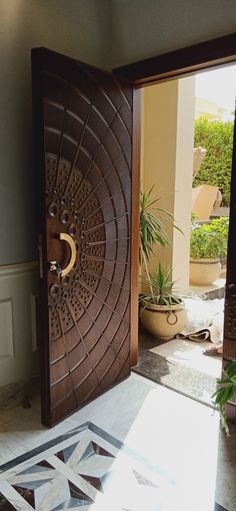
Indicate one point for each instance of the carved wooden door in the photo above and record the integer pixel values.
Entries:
(229, 352)
(83, 132)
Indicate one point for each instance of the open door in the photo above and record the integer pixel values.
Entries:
(229, 350)
(83, 120)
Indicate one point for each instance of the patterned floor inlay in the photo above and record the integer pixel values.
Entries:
(85, 469)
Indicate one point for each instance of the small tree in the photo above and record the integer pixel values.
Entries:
(217, 138)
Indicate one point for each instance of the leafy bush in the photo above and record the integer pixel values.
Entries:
(209, 241)
(217, 138)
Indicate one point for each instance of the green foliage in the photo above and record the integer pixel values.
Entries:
(209, 241)
(162, 287)
(152, 229)
(217, 138)
(225, 392)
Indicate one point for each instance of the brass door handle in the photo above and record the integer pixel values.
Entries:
(66, 237)
(55, 266)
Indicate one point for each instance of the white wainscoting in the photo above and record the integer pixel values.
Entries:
(18, 344)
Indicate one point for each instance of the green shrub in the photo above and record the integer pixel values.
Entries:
(217, 138)
(209, 241)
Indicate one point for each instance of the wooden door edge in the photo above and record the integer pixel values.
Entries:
(135, 226)
(39, 162)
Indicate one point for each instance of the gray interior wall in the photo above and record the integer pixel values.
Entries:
(79, 28)
(144, 28)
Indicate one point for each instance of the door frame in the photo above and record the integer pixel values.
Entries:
(178, 64)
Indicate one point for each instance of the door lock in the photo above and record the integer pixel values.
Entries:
(55, 266)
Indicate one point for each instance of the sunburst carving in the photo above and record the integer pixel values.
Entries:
(87, 134)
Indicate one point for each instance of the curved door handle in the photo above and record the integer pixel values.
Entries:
(66, 237)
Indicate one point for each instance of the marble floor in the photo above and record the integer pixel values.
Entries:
(170, 442)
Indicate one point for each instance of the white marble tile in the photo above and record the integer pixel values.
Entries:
(52, 494)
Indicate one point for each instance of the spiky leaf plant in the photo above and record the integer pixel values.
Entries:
(152, 227)
(162, 288)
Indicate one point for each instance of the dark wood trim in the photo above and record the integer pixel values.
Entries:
(135, 226)
(39, 164)
(221, 50)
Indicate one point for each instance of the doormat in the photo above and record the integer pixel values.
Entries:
(85, 469)
(188, 381)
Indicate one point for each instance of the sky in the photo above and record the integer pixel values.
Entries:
(218, 85)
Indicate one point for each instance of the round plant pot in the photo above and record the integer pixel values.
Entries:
(204, 271)
(163, 321)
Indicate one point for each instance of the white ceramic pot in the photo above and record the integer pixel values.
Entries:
(204, 271)
(163, 321)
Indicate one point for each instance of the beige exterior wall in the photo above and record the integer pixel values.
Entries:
(167, 162)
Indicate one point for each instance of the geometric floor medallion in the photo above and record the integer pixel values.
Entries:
(85, 469)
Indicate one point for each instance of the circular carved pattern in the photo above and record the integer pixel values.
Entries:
(66, 280)
(87, 139)
(80, 284)
(72, 229)
(52, 209)
(64, 216)
(54, 290)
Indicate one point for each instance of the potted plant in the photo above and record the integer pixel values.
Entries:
(208, 243)
(226, 391)
(160, 307)
(162, 311)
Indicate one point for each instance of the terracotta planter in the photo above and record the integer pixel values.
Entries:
(204, 271)
(163, 321)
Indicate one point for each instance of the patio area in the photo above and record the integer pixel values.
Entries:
(179, 363)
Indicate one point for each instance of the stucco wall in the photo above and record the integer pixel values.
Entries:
(167, 164)
(79, 28)
(144, 28)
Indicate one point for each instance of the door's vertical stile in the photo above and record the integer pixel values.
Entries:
(40, 180)
(135, 225)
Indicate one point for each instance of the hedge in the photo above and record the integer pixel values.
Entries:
(217, 138)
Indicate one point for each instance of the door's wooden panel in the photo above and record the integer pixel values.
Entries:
(84, 149)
